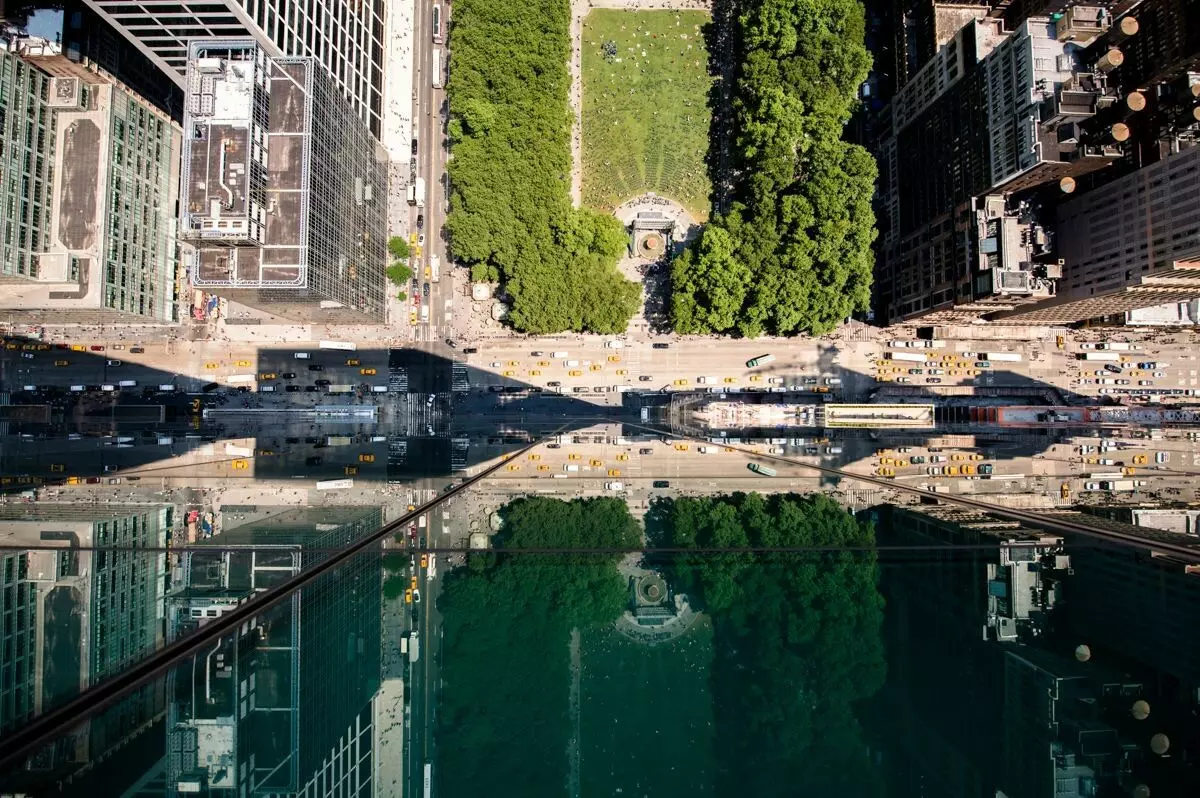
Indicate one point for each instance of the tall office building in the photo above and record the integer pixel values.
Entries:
(282, 707)
(346, 36)
(81, 596)
(1132, 243)
(90, 186)
(993, 113)
(284, 189)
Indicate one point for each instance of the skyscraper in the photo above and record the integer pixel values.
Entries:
(284, 189)
(346, 37)
(91, 182)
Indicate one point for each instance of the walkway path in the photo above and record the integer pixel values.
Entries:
(579, 10)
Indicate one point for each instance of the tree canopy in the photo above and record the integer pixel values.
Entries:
(506, 620)
(796, 255)
(797, 638)
(510, 213)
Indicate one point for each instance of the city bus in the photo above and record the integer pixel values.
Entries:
(437, 67)
(344, 345)
(759, 361)
(428, 780)
(437, 24)
(758, 468)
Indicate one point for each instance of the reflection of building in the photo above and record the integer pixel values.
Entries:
(284, 187)
(991, 114)
(1130, 244)
(283, 708)
(347, 38)
(90, 231)
(82, 601)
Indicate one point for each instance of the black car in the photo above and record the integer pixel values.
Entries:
(470, 350)
(288, 375)
(450, 342)
(315, 367)
(314, 461)
(645, 378)
(420, 221)
(661, 483)
(554, 384)
(534, 389)
(579, 390)
(600, 389)
(292, 388)
(291, 440)
(243, 389)
(414, 147)
(645, 451)
(662, 346)
(137, 350)
(324, 382)
(311, 389)
(425, 290)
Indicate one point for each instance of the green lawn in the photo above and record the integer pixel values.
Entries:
(646, 725)
(645, 113)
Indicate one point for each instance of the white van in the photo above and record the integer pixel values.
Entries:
(108, 388)
(422, 521)
(77, 388)
(29, 388)
(572, 364)
(558, 355)
(614, 344)
(266, 389)
(570, 467)
(707, 449)
(128, 383)
(832, 381)
(302, 355)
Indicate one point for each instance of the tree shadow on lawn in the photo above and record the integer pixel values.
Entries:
(722, 36)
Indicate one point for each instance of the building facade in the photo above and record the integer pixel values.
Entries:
(91, 185)
(993, 113)
(1130, 244)
(284, 188)
(345, 37)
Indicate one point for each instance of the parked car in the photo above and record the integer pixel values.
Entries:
(645, 378)
(662, 346)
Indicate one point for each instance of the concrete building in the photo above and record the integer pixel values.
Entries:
(1130, 244)
(345, 37)
(92, 175)
(284, 189)
(993, 113)
(284, 707)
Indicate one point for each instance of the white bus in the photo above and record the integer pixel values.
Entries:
(437, 24)
(346, 345)
(437, 67)
(428, 780)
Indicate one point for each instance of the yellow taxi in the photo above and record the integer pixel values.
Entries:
(543, 363)
(901, 463)
(535, 457)
(622, 457)
(975, 457)
(74, 481)
(509, 373)
(755, 378)
(681, 447)
(681, 382)
(412, 239)
(574, 457)
(267, 375)
(412, 583)
(958, 456)
(512, 363)
(614, 472)
(596, 463)
(574, 373)
(595, 367)
(408, 595)
(43, 347)
(428, 271)
(11, 347)
(614, 358)
(1140, 459)
(368, 372)
(883, 471)
(265, 452)
(968, 470)
(241, 465)
(211, 366)
(74, 347)
(543, 467)
(353, 362)
(366, 458)
(730, 380)
(417, 253)
(514, 467)
(534, 373)
(424, 560)
(621, 372)
(243, 363)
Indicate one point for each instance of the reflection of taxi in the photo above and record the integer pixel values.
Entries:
(681, 447)
(57, 468)
(408, 591)
(351, 471)
(595, 367)
(614, 358)
(243, 363)
(62, 362)
(543, 468)
(265, 452)
(240, 465)
(681, 382)
(535, 457)
(366, 458)
(353, 361)
(212, 365)
(368, 372)
(267, 375)
(614, 472)
(575, 373)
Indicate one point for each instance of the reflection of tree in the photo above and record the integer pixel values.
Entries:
(507, 618)
(797, 639)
